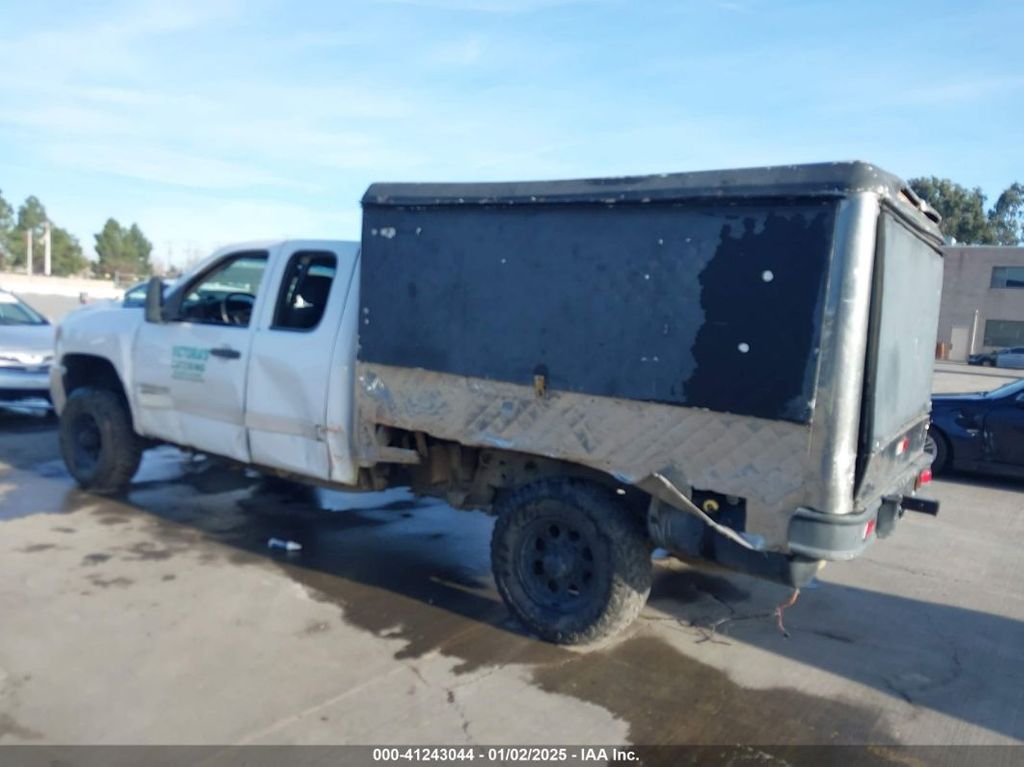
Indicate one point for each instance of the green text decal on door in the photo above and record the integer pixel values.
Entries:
(188, 363)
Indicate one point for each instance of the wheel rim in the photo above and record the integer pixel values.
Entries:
(557, 563)
(87, 442)
(929, 446)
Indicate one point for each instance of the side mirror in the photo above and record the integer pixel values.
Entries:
(155, 300)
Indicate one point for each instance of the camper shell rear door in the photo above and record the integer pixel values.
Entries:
(906, 291)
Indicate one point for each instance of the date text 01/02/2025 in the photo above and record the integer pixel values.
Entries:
(501, 754)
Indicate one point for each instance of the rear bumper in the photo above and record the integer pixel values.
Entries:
(813, 537)
(830, 536)
(818, 535)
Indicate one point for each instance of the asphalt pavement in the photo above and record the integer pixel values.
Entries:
(955, 377)
(162, 617)
(54, 308)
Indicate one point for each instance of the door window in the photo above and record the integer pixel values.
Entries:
(304, 290)
(225, 295)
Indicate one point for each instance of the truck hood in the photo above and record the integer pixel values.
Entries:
(98, 329)
(108, 309)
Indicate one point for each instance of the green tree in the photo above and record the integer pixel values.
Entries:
(143, 248)
(109, 248)
(31, 218)
(6, 213)
(66, 256)
(6, 232)
(121, 250)
(1007, 216)
(962, 209)
(31, 215)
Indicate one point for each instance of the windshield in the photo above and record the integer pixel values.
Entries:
(14, 311)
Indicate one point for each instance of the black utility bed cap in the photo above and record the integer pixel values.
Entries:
(833, 179)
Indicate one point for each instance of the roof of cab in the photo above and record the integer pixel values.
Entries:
(835, 179)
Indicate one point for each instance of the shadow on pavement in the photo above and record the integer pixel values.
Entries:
(416, 570)
(964, 663)
(961, 662)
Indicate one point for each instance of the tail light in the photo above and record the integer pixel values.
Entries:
(923, 478)
(869, 528)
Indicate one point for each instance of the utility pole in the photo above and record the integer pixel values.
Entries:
(46, 248)
(28, 252)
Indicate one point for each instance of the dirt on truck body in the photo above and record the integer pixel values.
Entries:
(752, 349)
(734, 366)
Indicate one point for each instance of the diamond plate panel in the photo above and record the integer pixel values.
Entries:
(763, 461)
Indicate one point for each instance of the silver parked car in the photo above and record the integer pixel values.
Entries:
(26, 350)
(1010, 358)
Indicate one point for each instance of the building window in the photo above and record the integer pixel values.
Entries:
(1004, 333)
(1007, 277)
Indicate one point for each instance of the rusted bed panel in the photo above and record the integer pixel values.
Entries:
(757, 459)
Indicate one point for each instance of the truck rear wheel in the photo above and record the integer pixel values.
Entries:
(99, 446)
(572, 564)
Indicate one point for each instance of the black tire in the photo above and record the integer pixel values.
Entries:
(99, 445)
(571, 563)
(937, 446)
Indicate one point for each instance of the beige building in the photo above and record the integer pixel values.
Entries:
(982, 299)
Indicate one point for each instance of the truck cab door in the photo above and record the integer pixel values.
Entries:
(190, 369)
(298, 398)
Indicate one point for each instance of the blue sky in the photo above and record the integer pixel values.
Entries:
(209, 121)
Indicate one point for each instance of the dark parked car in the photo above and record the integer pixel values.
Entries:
(979, 432)
(985, 359)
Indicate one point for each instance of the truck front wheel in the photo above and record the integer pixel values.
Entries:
(99, 446)
(572, 564)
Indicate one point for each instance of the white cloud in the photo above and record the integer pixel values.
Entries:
(212, 223)
(161, 164)
(184, 106)
(218, 138)
(114, 44)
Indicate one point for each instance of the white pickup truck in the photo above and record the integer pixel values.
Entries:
(735, 366)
